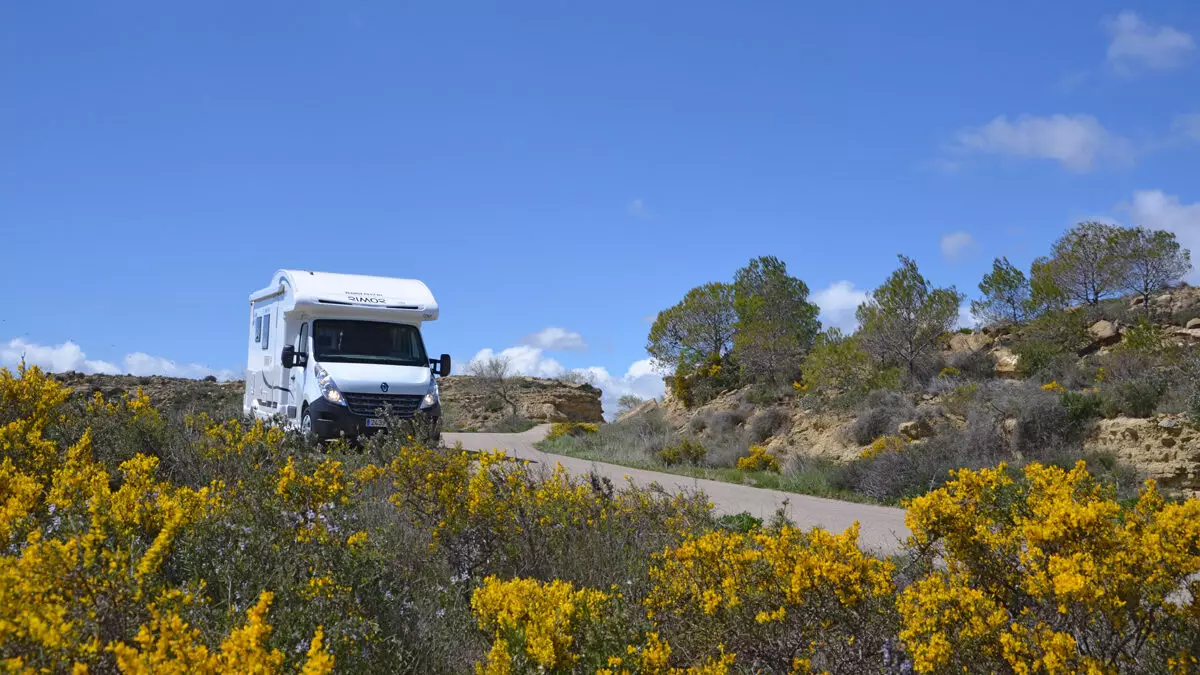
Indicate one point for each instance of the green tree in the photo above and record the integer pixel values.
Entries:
(1153, 261)
(1087, 263)
(905, 319)
(837, 365)
(1006, 294)
(776, 324)
(698, 329)
(1045, 295)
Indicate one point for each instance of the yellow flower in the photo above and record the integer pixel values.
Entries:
(758, 460)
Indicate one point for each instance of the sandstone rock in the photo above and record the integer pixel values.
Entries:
(1167, 449)
(641, 410)
(1105, 332)
(537, 399)
(1194, 323)
(1006, 362)
(969, 342)
(1182, 300)
(916, 430)
(1187, 333)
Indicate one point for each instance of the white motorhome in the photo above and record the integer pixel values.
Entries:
(331, 352)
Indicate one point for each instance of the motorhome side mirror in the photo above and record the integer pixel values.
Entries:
(287, 358)
(444, 365)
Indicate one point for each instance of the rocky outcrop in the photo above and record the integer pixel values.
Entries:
(969, 342)
(1164, 448)
(916, 429)
(816, 434)
(169, 394)
(1006, 362)
(1182, 301)
(468, 405)
(640, 410)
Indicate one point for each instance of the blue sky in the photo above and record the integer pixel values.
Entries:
(554, 165)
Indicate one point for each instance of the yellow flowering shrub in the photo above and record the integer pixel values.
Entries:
(559, 429)
(535, 626)
(768, 596)
(883, 445)
(219, 440)
(89, 542)
(1054, 386)
(758, 459)
(167, 644)
(129, 543)
(1045, 571)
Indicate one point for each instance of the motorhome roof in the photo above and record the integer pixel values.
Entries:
(329, 288)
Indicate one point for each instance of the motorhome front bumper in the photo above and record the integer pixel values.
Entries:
(330, 420)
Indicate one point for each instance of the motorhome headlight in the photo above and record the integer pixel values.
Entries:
(431, 397)
(329, 388)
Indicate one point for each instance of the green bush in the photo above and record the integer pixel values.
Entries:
(1037, 356)
(1081, 407)
(686, 451)
(742, 522)
(960, 399)
(1140, 397)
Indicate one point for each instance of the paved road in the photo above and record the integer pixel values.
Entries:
(882, 528)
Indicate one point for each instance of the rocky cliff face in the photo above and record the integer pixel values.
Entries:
(470, 406)
(1164, 448)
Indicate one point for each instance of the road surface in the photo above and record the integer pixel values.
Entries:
(881, 528)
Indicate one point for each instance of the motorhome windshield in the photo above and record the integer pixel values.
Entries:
(344, 341)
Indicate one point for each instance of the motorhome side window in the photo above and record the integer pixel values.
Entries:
(266, 330)
(258, 328)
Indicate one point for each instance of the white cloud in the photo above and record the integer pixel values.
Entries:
(1136, 44)
(69, 356)
(838, 303)
(958, 245)
(65, 357)
(555, 339)
(139, 363)
(641, 379)
(1077, 142)
(1186, 127)
(637, 208)
(1159, 211)
(523, 360)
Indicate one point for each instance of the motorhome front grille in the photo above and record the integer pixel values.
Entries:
(402, 405)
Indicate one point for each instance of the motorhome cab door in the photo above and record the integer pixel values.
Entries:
(296, 376)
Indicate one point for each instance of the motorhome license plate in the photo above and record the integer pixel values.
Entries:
(376, 422)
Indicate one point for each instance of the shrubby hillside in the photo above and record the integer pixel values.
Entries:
(1093, 353)
(134, 542)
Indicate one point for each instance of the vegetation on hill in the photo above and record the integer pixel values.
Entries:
(1090, 327)
(132, 543)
